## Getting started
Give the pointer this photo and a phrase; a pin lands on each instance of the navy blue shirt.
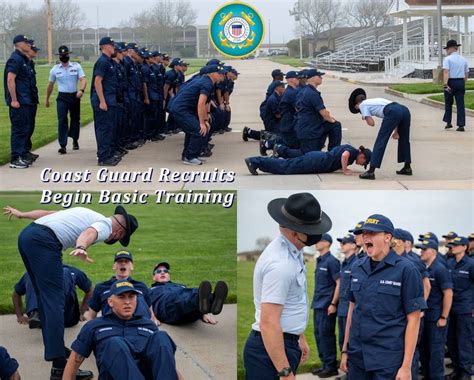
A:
(136, 332)
(99, 298)
(134, 79)
(19, 64)
(383, 298)
(335, 154)
(160, 79)
(149, 77)
(31, 65)
(328, 270)
(8, 365)
(105, 67)
(173, 80)
(463, 280)
(271, 114)
(121, 82)
(187, 99)
(288, 109)
(419, 264)
(440, 279)
(344, 286)
(309, 121)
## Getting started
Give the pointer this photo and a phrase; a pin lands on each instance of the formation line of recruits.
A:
(125, 339)
(131, 95)
(297, 125)
(396, 310)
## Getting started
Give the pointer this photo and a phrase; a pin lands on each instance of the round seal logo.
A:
(236, 29)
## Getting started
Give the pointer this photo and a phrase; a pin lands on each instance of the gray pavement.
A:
(441, 159)
(204, 352)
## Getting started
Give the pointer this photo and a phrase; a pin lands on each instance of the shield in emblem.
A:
(236, 30)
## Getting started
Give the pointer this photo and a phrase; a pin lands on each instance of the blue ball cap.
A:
(123, 255)
(399, 234)
(20, 38)
(378, 223)
(155, 53)
(106, 41)
(347, 239)
(121, 47)
(35, 48)
(215, 61)
(460, 240)
(132, 45)
(409, 236)
(292, 74)
(427, 243)
(277, 72)
(313, 73)
(143, 52)
(279, 83)
(428, 236)
(326, 237)
(120, 287)
(470, 237)
(450, 235)
(213, 69)
(357, 230)
(234, 71)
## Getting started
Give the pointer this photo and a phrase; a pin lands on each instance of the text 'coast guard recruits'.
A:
(276, 345)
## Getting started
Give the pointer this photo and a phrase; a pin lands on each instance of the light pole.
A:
(50, 31)
(440, 30)
(296, 12)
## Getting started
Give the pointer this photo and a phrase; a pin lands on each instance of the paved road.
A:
(204, 352)
(441, 159)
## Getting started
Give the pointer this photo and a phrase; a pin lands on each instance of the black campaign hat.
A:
(451, 43)
(63, 50)
(131, 224)
(353, 97)
(300, 212)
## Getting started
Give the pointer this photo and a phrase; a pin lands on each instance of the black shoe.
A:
(27, 160)
(218, 297)
(452, 376)
(118, 154)
(328, 372)
(227, 129)
(131, 146)
(450, 365)
(342, 377)
(205, 291)
(141, 142)
(62, 150)
(75, 145)
(465, 377)
(405, 171)
(19, 164)
(124, 151)
(262, 147)
(245, 134)
(211, 146)
(206, 153)
(316, 371)
(57, 374)
(460, 129)
(31, 156)
(367, 175)
(109, 162)
(448, 126)
(250, 167)
(34, 321)
(220, 131)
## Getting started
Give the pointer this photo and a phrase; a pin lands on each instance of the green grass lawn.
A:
(246, 311)
(199, 242)
(425, 88)
(46, 129)
(468, 99)
(285, 60)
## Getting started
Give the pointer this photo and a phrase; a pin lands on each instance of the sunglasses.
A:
(158, 271)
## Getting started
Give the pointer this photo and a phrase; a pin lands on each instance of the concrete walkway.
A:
(441, 159)
(204, 352)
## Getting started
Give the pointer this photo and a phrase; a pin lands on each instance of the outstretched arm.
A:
(35, 214)
(73, 364)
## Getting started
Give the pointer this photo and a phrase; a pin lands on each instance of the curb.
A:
(425, 100)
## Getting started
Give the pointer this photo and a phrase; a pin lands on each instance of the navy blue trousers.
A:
(358, 373)
(136, 120)
(459, 342)
(20, 130)
(32, 119)
(8, 365)
(156, 361)
(178, 307)
(458, 90)
(310, 163)
(433, 340)
(194, 143)
(105, 128)
(68, 103)
(120, 126)
(257, 363)
(325, 335)
(395, 116)
(150, 112)
(41, 252)
(341, 326)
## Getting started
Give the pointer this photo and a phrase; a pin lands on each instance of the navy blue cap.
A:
(143, 52)
(132, 45)
(409, 236)
(313, 73)
(215, 61)
(357, 230)
(399, 234)
(326, 237)
(20, 38)
(165, 56)
(30, 41)
(460, 240)
(35, 48)
(277, 72)
(378, 223)
(121, 47)
(123, 255)
(347, 239)
(119, 287)
(303, 73)
(162, 264)
(427, 243)
(278, 83)
(234, 71)
(429, 236)
(106, 41)
(470, 237)
(292, 74)
(155, 53)
(451, 235)
(213, 69)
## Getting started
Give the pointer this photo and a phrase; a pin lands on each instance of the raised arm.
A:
(35, 214)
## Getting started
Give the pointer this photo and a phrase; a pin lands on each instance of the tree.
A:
(368, 13)
(67, 15)
(9, 14)
(261, 243)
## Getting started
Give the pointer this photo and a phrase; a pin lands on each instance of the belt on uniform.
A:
(68, 93)
(49, 230)
(287, 336)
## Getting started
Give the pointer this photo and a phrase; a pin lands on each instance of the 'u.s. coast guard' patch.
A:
(236, 29)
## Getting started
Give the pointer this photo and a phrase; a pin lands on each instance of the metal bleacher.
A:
(366, 49)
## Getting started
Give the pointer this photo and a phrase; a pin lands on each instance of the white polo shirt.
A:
(280, 278)
(67, 77)
(67, 225)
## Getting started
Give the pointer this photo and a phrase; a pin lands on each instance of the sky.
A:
(416, 211)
